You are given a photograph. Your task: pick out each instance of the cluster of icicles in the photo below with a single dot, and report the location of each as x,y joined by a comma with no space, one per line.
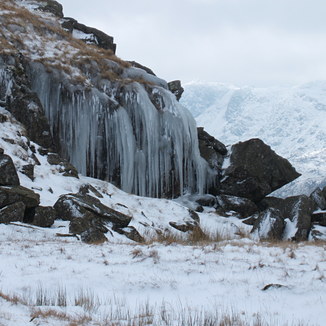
142,149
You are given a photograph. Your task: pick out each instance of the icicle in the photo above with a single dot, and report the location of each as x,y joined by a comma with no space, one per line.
145,148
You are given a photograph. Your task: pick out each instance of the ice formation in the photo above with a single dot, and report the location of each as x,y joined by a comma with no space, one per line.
138,137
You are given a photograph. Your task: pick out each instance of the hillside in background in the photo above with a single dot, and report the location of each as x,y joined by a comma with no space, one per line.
291,120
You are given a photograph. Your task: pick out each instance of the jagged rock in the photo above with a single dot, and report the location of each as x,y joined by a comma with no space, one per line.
93,236
211,149
298,209
131,233
255,171
88,189
52,7
8,173
1,149
92,35
28,170
318,197
13,194
244,206
176,88
44,216
319,218
12,213
67,168
26,107
71,206
138,65
184,226
269,225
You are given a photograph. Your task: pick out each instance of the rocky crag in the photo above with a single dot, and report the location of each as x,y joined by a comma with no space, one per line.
69,105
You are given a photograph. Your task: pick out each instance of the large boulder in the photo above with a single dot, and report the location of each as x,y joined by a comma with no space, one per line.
298,209
255,170
73,206
13,194
243,206
8,173
12,213
269,225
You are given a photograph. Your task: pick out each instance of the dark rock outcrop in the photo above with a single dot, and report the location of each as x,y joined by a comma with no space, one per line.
243,206
8,173
92,35
25,105
176,88
269,225
255,171
73,206
12,213
298,209
52,7
213,151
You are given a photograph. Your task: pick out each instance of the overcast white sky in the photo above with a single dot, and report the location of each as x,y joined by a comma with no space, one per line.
244,42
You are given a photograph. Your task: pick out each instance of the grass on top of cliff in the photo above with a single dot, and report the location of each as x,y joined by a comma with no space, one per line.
40,37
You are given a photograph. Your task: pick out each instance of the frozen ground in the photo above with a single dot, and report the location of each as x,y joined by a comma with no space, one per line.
51,280
113,280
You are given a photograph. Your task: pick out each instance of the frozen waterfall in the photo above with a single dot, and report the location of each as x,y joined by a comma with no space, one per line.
140,138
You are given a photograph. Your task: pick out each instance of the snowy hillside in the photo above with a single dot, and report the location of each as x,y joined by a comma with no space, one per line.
291,120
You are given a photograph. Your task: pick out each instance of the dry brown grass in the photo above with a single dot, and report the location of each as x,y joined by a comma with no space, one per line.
59,315
14,299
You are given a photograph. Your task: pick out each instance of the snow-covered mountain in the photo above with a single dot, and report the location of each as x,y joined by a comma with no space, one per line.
291,120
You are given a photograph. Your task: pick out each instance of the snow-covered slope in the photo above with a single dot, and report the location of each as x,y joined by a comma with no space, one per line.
291,120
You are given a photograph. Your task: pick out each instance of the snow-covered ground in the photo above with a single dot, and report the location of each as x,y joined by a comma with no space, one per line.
291,120
51,280
109,281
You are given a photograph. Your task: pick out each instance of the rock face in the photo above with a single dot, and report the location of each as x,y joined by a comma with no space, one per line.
269,225
23,103
255,171
8,174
